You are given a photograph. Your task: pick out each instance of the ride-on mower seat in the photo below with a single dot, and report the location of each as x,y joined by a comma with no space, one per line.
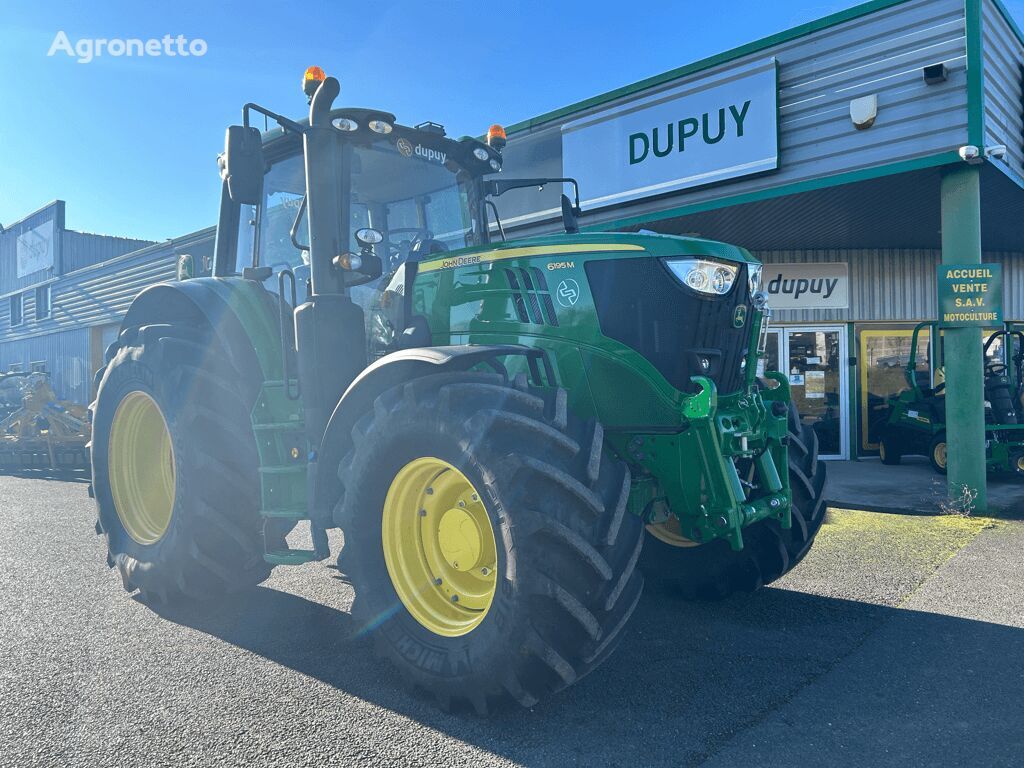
997,392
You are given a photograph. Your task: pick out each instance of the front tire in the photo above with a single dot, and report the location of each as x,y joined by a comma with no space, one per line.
174,468
938,455
714,571
890,449
555,561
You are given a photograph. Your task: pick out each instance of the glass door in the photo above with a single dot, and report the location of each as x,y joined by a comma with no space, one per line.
815,361
816,365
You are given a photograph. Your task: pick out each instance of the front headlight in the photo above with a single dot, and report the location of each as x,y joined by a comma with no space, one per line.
710,277
754,277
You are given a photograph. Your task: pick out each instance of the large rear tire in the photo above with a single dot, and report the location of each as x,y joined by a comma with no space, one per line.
539,593
175,467
714,571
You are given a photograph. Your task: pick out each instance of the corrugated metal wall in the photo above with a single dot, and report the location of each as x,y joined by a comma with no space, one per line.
67,359
881,53
72,250
96,296
82,249
1003,57
100,294
893,285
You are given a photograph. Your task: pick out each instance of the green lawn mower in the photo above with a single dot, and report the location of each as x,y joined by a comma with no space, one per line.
503,430
917,416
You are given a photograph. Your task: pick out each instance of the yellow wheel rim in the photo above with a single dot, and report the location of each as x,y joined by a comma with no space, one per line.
671,533
940,454
1020,463
141,468
439,547
881,450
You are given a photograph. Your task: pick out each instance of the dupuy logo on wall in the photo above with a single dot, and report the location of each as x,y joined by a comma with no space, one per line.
710,128
807,286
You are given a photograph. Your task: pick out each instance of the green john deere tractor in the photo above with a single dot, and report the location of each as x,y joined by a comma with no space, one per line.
916,424
496,427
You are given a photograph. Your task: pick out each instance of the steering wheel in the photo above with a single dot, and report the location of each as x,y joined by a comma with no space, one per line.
400,250
421,234
995,369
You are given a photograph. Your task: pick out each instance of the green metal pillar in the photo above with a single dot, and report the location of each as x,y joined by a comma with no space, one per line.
965,386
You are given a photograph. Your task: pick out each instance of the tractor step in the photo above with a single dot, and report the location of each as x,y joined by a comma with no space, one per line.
295,513
294,426
291,556
286,469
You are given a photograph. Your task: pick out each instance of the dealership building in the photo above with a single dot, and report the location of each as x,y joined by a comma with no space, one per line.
63,293
853,155
847,154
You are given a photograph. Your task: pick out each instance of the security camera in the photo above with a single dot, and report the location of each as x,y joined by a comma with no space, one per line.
996,152
970,154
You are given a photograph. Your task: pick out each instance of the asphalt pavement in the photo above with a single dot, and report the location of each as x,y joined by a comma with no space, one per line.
898,641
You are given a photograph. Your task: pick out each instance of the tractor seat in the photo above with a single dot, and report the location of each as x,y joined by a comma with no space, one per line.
997,392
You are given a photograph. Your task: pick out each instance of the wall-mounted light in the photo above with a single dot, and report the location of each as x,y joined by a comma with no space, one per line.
863,111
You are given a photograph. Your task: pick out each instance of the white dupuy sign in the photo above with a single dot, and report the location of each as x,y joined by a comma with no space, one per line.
807,286
35,249
713,128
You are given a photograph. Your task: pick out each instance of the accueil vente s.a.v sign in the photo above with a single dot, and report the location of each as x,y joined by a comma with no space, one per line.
714,128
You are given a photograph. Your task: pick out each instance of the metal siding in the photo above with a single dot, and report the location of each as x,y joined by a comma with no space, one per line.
1003,57
881,53
101,294
892,285
1013,283
67,359
82,249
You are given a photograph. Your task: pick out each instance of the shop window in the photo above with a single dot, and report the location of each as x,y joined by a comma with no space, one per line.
42,302
17,310
884,354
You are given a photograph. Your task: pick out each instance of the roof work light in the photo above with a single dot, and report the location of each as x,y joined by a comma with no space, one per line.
311,81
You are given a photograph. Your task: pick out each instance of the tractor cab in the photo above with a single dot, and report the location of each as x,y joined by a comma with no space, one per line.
395,194
345,198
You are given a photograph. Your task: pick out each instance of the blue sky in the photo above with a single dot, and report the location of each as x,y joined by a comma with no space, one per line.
130,143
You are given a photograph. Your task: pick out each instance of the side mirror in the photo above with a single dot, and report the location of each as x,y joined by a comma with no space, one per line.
242,164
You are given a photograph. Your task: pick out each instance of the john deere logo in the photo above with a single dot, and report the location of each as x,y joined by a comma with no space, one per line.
405,147
739,317
568,292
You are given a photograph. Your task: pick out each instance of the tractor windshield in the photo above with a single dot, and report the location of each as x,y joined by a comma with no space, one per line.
420,200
